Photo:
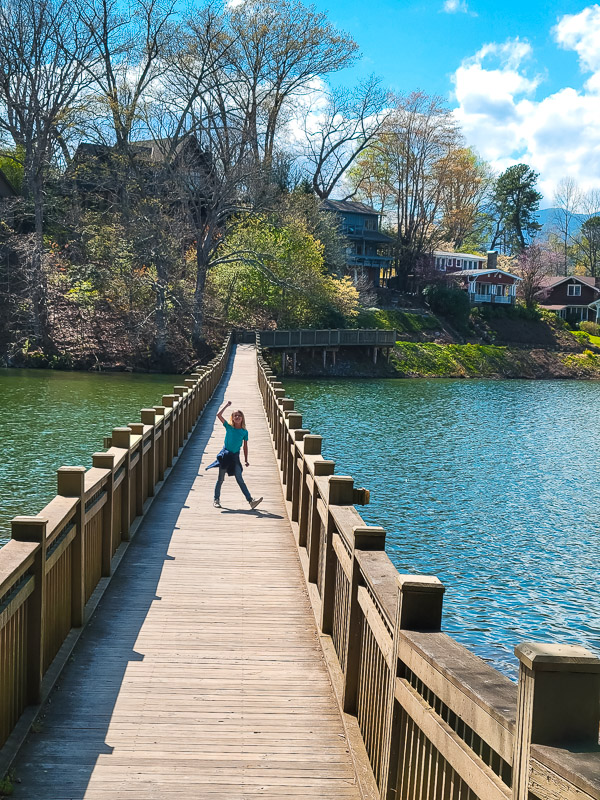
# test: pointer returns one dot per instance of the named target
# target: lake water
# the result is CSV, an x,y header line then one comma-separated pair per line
x,y
490,485
51,419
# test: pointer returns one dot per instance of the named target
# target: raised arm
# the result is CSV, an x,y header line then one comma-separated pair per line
x,y
220,413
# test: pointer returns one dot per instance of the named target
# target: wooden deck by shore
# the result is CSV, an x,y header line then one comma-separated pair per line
x,y
201,673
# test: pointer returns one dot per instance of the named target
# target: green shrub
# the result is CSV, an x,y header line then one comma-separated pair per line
x,y
517,311
449,302
590,327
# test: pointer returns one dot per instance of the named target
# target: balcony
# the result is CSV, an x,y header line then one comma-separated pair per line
x,y
491,298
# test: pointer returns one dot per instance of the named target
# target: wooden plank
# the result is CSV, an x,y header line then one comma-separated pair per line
x,y
478,777
380,633
201,674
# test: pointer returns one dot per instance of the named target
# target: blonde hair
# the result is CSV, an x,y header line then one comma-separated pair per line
x,y
243,418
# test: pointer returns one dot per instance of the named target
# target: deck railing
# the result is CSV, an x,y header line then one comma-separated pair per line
x,y
434,721
342,337
55,560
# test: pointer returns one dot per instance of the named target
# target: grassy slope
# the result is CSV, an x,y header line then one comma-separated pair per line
x,y
522,348
412,359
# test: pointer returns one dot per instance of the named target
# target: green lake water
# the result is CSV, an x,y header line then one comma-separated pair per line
x,y
493,486
51,419
490,485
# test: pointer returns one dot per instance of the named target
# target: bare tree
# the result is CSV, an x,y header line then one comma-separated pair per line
x,y
43,50
465,180
409,153
586,241
130,43
208,168
567,202
280,47
337,134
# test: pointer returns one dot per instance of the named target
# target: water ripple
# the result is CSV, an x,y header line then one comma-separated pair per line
x,y
491,485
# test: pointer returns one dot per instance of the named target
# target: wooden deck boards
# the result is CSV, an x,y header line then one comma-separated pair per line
x,y
201,674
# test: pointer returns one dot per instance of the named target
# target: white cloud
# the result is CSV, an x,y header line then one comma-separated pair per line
x,y
502,117
456,7
581,32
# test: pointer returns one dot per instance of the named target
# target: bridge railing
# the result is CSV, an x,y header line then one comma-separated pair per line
x,y
328,338
436,722
51,567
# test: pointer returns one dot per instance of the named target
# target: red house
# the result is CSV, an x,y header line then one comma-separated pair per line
x,y
488,285
570,296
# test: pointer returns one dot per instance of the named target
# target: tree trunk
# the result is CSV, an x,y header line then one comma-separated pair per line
x,y
39,289
160,320
198,313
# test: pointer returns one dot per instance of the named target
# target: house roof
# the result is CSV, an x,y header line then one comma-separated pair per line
x,y
348,207
474,273
6,187
150,149
451,254
551,282
370,236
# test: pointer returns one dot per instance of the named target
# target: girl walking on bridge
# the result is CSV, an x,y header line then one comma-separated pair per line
x,y
236,435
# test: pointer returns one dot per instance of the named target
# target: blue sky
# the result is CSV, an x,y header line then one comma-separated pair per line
x,y
524,77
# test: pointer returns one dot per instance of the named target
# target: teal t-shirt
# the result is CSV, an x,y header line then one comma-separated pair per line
x,y
234,437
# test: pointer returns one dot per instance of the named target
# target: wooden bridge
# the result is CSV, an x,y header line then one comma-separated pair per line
x,y
290,343
274,653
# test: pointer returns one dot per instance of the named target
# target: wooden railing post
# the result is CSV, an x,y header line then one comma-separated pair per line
x,y
287,407
121,438
558,704
107,461
312,447
71,483
181,392
282,403
193,397
294,424
162,446
339,494
321,469
296,474
148,417
33,529
168,401
141,478
419,608
364,538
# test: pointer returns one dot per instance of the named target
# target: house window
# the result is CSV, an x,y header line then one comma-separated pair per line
x,y
574,290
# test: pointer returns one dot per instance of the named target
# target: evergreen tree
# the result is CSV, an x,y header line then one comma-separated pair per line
x,y
515,201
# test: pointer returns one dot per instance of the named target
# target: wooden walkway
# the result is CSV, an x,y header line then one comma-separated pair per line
x,y
201,673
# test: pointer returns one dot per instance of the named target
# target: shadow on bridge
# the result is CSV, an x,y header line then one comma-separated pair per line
x,y
84,719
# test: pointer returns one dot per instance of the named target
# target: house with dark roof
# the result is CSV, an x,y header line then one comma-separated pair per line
x,y
368,251
6,188
98,170
570,297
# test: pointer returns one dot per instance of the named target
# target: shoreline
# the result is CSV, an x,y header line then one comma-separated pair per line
x,y
452,361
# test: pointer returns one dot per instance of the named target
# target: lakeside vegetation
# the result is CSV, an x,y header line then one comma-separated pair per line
x,y
167,185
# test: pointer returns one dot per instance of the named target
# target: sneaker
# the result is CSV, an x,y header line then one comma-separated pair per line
x,y
216,503
254,503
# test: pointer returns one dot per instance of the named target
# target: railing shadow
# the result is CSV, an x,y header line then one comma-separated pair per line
x,y
76,728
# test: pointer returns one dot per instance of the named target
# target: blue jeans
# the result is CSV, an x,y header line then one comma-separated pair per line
x,y
239,479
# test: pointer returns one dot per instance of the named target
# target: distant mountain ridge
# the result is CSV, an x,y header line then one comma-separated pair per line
x,y
547,216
